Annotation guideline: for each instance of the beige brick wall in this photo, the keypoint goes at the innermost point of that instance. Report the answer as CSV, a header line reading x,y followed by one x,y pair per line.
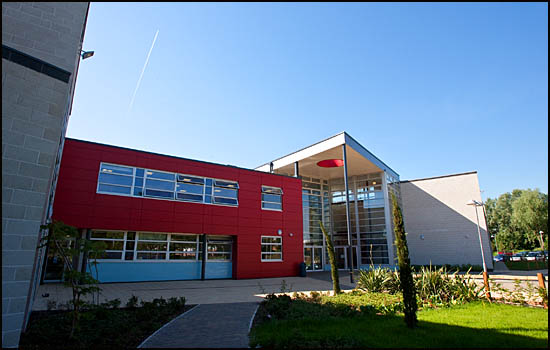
x,y
34,113
436,208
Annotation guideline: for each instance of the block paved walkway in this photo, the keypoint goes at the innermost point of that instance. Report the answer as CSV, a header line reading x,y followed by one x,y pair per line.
x,y
207,326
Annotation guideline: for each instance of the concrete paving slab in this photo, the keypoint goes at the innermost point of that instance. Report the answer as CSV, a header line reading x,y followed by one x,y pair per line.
x,y
196,292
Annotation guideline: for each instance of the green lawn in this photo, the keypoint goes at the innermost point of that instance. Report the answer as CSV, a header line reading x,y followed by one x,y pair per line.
x,y
527,265
477,324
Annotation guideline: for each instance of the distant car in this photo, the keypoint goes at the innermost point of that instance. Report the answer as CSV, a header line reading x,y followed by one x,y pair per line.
x,y
518,256
532,256
498,257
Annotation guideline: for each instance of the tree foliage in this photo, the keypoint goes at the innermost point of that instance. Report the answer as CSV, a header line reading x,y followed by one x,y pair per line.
x,y
405,271
65,241
516,218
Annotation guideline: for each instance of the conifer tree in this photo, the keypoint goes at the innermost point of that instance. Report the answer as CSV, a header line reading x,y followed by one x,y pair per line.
x,y
331,257
405,272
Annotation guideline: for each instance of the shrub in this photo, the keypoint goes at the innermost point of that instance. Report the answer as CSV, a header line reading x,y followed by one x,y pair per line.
x,y
436,286
374,279
132,302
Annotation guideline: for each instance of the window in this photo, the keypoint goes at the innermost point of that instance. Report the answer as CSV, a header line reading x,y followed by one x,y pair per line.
x,y
272,198
152,246
183,247
225,192
219,249
272,248
115,179
190,188
144,246
114,244
138,182
159,184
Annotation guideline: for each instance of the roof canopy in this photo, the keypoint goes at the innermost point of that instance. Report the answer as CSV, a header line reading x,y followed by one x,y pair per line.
x,y
360,160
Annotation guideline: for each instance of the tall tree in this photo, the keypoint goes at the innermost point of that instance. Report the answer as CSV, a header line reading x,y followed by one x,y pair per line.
x,y
517,217
530,215
406,280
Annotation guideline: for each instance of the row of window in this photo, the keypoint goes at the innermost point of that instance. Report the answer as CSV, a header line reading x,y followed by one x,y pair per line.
x,y
138,182
132,246
135,246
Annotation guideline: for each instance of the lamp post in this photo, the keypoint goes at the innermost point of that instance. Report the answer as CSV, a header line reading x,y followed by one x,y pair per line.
x,y
485,274
478,204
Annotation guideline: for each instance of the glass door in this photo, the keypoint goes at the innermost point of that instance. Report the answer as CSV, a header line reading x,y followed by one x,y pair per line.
x,y
55,266
308,258
342,257
317,258
313,257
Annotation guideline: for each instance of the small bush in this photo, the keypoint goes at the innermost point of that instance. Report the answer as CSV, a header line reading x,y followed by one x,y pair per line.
x,y
132,302
374,279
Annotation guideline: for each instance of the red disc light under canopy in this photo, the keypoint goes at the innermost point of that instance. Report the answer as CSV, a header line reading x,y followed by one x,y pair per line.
x,y
331,163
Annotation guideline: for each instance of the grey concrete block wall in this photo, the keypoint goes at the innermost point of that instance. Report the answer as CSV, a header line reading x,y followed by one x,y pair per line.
x,y
48,31
34,111
441,228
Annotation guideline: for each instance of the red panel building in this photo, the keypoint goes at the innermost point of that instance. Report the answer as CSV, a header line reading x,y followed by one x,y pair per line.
x,y
150,209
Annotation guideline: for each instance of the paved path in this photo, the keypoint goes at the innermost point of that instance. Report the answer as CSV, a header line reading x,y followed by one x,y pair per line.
x,y
196,292
207,326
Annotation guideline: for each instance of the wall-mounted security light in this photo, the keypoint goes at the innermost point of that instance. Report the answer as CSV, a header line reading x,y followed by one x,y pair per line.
x,y
291,234
280,232
86,54
422,237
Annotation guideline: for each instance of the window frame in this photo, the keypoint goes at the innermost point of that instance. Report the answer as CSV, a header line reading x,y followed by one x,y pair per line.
x,y
197,241
174,192
214,186
270,244
273,194
133,176
122,251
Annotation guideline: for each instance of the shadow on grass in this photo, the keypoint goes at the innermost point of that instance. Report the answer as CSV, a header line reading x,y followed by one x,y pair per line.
x,y
324,329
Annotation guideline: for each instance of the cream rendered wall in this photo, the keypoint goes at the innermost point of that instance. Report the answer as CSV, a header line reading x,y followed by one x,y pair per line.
x,y
436,208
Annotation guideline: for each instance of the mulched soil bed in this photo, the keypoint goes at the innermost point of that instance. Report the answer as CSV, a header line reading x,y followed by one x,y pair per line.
x,y
103,328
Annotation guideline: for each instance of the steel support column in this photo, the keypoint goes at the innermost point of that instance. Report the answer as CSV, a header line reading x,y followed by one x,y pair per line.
x,y
203,266
350,250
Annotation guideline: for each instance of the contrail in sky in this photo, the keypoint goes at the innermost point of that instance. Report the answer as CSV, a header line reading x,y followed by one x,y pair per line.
x,y
142,71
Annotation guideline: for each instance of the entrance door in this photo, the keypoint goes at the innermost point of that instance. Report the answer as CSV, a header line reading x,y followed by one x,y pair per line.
x,y
342,257
313,257
55,266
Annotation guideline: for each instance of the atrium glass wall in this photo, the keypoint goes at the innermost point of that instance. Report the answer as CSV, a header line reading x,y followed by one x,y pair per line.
x,y
316,208
367,216
326,200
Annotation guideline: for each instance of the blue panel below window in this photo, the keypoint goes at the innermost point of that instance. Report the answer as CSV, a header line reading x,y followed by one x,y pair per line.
x,y
219,270
159,271
146,271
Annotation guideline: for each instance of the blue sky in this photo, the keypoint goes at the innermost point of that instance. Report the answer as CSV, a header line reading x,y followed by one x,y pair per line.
x,y
431,89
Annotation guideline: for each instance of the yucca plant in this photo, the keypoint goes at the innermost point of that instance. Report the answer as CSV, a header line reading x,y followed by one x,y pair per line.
x,y
373,279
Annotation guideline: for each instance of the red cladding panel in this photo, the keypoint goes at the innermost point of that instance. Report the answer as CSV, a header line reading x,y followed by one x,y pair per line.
x,y
78,204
